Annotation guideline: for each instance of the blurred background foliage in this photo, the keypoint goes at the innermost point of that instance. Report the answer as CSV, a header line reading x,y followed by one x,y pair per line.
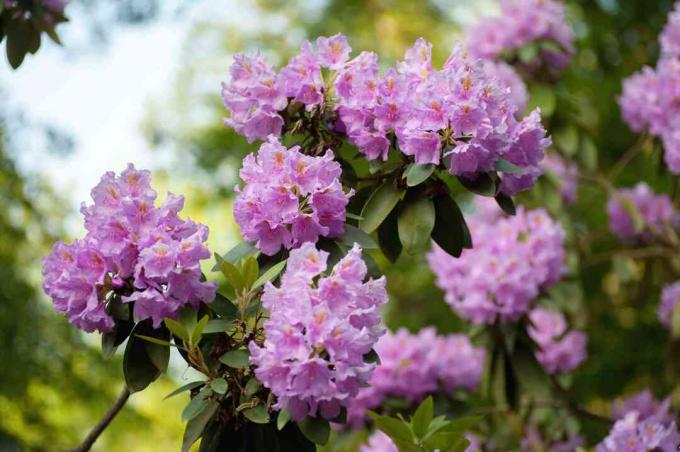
x,y
55,385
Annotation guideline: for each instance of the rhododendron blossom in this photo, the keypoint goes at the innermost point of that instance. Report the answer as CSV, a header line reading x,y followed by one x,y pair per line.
x,y
521,23
289,198
378,442
670,297
559,350
414,365
507,76
462,115
513,259
640,214
136,251
319,330
643,425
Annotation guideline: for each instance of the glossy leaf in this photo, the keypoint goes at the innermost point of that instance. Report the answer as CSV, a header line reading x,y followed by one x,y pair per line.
x,y
316,430
219,385
224,307
422,417
269,275
506,203
450,231
218,326
506,166
234,255
177,329
282,419
184,388
415,174
388,237
258,415
237,359
483,184
415,224
138,368
198,330
355,235
197,404
197,424
379,206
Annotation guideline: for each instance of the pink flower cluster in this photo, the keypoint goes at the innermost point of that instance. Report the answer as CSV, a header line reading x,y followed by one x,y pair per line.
x,y
513,259
144,254
413,366
521,23
650,101
289,198
378,442
565,174
459,114
318,333
643,424
558,351
670,297
655,211
507,76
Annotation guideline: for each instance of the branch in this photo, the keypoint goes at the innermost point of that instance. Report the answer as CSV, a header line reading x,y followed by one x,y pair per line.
x,y
104,422
575,407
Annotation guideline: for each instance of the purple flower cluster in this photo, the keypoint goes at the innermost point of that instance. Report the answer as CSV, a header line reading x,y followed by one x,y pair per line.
x,y
318,333
656,212
513,259
460,114
507,76
643,425
533,441
670,297
650,101
412,366
565,174
558,351
289,198
521,23
144,254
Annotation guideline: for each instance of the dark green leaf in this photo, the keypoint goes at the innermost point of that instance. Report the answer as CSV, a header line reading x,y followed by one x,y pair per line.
x,y
138,368
352,216
397,430
186,387
18,41
232,274
355,235
198,330
219,385
237,359
450,230
388,237
567,139
505,203
282,419
258,415
197,404
234,255
251,271
543,97
159,355
269,275
379,206
154,340
483,184
372,357
415,224
505,166
422,417
315,429
224,307
108,344
196,425
415,174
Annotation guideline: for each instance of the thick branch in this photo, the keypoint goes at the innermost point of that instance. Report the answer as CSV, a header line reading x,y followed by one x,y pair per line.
x,y
104,422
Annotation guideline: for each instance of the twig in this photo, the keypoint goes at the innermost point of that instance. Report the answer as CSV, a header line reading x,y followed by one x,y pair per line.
x,y
575,407
639,253
626,158
104,422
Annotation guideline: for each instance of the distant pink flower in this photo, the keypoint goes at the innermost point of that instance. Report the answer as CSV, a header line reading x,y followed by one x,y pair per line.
x,y
558,351
670,297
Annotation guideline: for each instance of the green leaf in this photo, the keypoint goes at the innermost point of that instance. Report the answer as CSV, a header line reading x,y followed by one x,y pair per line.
x,y
352,216
282,419
483,184
316,430
187,318
450,230
219,385
218,326
159,355
234,255
415,224
138,368
415,174
186,387
422,417
372,357
197,404
505,166
397,430
198,330
588,154
462,424
237,359
177,329
543,97
224,307
506,203
527,53
251,387
195,426
258,415
251,270
460,446
108,344
18,41
232,274
388,237
355,235
269,275
567,139
378,206
154,340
